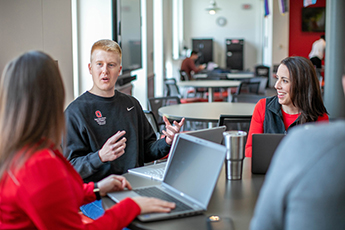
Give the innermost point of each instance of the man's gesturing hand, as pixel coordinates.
(113, 148)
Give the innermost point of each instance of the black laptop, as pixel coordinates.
(263, 147)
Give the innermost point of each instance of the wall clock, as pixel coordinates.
(221, 21)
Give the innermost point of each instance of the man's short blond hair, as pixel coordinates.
(106, 45)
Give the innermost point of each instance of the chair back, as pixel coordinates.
(153, 122)
(263, 83)
(167, 87)
(183, 75)
(262, 71)
(171, 87)
(248, 87)
(247, 98)
(232, 122)
(157, 102)
(170, 80)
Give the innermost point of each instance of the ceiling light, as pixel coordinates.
(212, 7)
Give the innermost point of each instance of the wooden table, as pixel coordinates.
(211, 84)
(232, 200)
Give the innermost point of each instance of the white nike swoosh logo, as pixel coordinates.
(129, 109)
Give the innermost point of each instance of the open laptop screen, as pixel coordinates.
(214, 134)
(188, 164)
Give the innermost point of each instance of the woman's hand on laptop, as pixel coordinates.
(113, 183)
(149, 204)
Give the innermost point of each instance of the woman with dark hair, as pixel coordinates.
(298, 100)
(39, 188)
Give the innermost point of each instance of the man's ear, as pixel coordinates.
(120, 69)
(89, 66)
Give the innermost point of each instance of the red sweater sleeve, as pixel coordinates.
(323, 118)
(50, 193)
(89, 195)
(118, 217)
(256, 124)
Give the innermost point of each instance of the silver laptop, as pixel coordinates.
(190, 178)
(156, 171)
(212, 134)
(263, 147)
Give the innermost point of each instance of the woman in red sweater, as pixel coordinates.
(39, 188)
(298, 100)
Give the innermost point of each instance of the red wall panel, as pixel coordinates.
(300, 42)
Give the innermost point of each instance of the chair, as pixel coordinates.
(247, 98)
(219, 96)
(233, 122)
(263, 83)
(173, 80)
(262, 71)
(170, 90)
(173, 90)
(183, 75)
(157, 102)
(248, 87)
(152, 120)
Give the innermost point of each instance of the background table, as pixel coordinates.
(206, 112)
(232, 199)
(238, 76)
(211, 84)
(224, 76)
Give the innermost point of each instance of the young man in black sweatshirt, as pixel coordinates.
(107, 131)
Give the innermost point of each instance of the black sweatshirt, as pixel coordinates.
(91, 120)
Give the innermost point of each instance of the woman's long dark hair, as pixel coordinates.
(305, 88)
(31, 108)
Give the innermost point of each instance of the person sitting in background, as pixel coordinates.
(107, 131)
(298, 101)
(317, 52)
(188, 65)
(305, 186)
(39, 188)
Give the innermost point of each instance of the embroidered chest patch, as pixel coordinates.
(99, 118)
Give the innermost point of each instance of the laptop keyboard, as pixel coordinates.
(157, 193)
(156, 173)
